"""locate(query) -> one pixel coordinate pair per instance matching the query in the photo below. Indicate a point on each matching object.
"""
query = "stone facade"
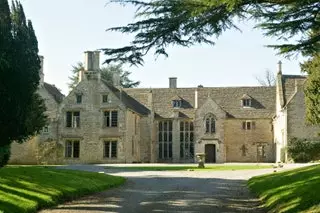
(102, 123)
(290, 120)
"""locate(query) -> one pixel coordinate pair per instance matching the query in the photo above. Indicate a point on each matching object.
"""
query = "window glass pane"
(191, 149)
(207, 125)
(181, 137)
(165, 136)
(170, 136)
(68, 150)
(213, 125)
(243, 125)
(165, 124)
(248, 125)
(160, 126)
(114, 149)
(79, 99)
(160, 150)
(165, 150)
(170, 125)
(170, 150)
(181, 150)
(68, 119)
(76, 149)
(187, 126)
(181, 126)
(191, 137)
(105, 98)
(114, 118)
(186, 137)
(160, 136)
(107, 149)
(76, 113)
(191, 126)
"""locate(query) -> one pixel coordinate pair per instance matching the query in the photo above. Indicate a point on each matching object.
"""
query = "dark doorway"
(210, 150)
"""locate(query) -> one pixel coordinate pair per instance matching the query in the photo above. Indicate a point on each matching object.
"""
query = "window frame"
(176, 103)
(110, 118)
(209, 122)
(78, 98)
(103, 96)
(74, 119)
(112, 146)
(69, 151)
(248, 125)
(165, 139)
(246, 102)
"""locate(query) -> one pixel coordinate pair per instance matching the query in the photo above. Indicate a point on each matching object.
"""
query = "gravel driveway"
(170, 191)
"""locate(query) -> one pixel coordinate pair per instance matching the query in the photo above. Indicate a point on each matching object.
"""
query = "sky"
(65, 29)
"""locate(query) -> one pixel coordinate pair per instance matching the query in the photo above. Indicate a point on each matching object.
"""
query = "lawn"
(291, 191)
(29, 188)
(186, 168)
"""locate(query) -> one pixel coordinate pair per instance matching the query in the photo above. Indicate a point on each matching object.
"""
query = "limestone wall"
(242, 145)
(297, 126)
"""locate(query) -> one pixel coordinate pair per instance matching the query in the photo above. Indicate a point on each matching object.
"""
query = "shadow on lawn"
(292, 191)
(162, 194)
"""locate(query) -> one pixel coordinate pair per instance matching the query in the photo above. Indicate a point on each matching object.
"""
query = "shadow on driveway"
(153, 193)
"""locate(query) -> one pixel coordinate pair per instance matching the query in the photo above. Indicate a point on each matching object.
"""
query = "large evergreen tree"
(312, 88)
(162, 23)
(22, 109)
(106, 74)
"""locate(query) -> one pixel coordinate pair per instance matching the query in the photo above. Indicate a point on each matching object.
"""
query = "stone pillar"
(175, 141)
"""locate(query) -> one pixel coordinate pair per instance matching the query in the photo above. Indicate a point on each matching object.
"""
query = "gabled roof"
(228, 98)
(289, 83)
(128, 101)
(54, 91)
(245, 96)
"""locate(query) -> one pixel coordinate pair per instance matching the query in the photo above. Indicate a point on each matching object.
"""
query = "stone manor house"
(102, 123)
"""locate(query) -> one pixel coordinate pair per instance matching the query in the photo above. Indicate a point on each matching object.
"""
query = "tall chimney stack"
(280, 67)
(172, 82)
(41, 74)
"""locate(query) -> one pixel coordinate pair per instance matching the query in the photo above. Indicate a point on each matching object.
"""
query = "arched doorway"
(210, 150)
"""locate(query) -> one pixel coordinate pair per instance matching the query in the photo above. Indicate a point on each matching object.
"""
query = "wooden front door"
(210, 150)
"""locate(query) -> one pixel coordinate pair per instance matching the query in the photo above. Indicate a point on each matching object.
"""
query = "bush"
(4, 155)
(303, 150)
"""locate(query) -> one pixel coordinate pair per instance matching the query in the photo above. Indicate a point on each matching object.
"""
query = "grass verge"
(27, 189)
(186, 168)
(296, 190)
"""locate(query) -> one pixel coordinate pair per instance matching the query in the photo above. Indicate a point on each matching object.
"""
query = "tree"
(162, 23)
(106, 74)
(267, 80)
(22, 109)
(312, 89)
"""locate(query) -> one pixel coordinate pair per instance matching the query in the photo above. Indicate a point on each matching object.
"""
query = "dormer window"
(246, 101)
(176, 103)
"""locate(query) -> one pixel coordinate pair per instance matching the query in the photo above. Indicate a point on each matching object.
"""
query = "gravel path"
(170, 191)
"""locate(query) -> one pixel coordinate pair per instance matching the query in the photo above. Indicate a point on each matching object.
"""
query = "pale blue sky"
(67, 28)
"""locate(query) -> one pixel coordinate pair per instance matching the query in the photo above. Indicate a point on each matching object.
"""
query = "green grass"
(296, 190)
(186, 168)
(27, 189)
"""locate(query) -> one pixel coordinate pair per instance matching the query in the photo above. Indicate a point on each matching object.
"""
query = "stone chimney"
(116, 79)
(172, 82)
(41, 74)
(280, 67)
(91, 65)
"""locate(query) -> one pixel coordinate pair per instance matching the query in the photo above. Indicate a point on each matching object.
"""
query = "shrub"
(303, 150)
(4, 155)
